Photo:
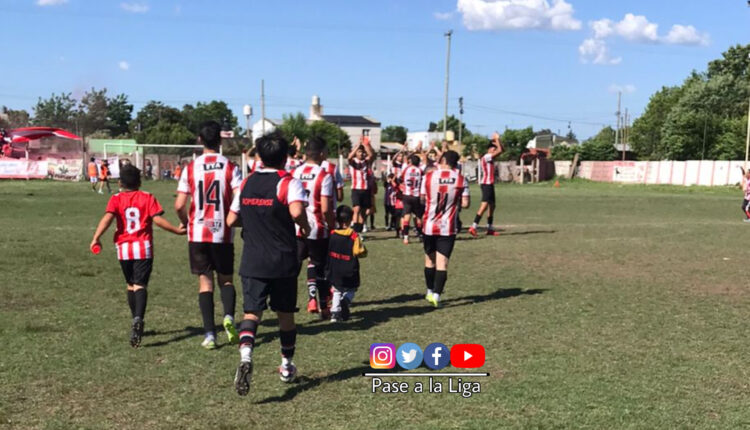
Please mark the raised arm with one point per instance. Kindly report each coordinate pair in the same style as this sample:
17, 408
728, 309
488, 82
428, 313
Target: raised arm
499, 145
370, 154
353, 152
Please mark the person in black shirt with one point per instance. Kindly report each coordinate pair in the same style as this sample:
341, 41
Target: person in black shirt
268, 206
345, 248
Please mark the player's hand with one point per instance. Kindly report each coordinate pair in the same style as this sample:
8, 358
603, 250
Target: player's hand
181, 230
304, 231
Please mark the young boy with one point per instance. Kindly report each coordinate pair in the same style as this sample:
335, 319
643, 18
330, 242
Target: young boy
344, 251
134, 211
104, 177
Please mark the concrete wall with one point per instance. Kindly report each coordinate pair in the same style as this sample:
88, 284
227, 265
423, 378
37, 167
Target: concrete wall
692, 172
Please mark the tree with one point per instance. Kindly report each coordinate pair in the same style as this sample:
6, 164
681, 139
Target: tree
514, 141
167, 133
394, 133
119, 115
475, 145
600, 147
646, 134
565, 153
16, 118
333, 135
452, 125
152, 114
92, 112
56, 111
213, 111
295, 125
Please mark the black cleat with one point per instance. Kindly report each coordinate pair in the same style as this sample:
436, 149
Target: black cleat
242, 378
136, 333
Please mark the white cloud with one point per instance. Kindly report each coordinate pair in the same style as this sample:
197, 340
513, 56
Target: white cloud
50, 2
596, 51
123, 65
443, 16
517, 15
627, 89
686, 35
135, 7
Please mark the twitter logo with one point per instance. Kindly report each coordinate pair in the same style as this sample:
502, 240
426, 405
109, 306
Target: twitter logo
409, 356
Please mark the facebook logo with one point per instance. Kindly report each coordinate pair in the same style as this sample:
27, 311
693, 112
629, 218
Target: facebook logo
436, 356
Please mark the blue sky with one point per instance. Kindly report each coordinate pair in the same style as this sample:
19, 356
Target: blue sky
515, 62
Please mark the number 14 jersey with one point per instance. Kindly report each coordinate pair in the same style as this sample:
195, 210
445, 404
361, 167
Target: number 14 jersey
134, 212
209, 181
442, 191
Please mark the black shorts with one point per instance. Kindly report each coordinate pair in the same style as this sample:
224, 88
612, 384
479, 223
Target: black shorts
206, 257
412, 205
361, 198
316, 250
488, 193
137, 272
282, 291
441, 244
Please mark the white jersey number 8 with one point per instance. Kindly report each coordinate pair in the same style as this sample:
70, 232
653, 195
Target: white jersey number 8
132, 220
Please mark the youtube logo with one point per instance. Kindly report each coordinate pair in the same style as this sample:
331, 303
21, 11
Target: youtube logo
467, 356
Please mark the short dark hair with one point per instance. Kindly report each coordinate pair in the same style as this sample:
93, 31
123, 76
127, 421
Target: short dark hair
414, 160
315, 146
210, 134
292, 151
451, 158
492, 145
130, 177
93, 159
344, 214
273, 148
253, 151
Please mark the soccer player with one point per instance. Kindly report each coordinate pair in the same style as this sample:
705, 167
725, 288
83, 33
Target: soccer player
335, 173
746, 192
267, 207
487, 185
253, 161
291, 161
104, 177
443, 190
210, 182
134, 211
372, 186
93, 172
411, 178
318, 186
398, 163
360, 159
344, 251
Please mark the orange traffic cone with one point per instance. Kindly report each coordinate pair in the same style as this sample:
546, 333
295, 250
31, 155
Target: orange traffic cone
557, 184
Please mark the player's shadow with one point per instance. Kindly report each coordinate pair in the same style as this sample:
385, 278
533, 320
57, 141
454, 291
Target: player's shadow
523, 233
181, 334
304, 383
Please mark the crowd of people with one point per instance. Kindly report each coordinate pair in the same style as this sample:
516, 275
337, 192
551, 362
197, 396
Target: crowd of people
289, 212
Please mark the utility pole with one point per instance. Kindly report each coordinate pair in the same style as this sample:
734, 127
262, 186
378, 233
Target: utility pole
262, 108
447, 75
617, 130
747, 144
460, 119
626, 134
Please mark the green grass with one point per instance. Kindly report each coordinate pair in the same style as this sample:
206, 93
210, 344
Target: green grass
600, 306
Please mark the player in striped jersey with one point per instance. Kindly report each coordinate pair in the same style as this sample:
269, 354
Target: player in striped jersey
360, 159
134, 211
443, 190
320, 196
210, 182
253, 161
487, 185
291, 160
411, 180
338, 180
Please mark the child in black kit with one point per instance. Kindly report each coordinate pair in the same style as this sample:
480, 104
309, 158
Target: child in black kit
344, 251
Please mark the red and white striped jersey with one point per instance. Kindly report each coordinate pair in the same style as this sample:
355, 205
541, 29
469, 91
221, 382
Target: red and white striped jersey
134, 212
442, 191
333, 170
209, 180
412, 180
397, 168
359, 170
291, 164
318, 183
253, 165
486, 170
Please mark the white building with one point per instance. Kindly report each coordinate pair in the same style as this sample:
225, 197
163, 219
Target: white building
549, 141
356, 126
413, 138
269, 126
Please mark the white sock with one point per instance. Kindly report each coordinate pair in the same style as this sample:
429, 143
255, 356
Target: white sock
246, 354
436, 296
474, 225
229, 316
429, 292
336, 304
285, 361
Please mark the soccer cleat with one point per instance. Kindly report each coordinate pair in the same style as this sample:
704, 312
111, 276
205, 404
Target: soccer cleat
288, 373
434, 301
473, 231
428, 297
312, 306
209, 343
231, 330
136, 333
325, 314
406, 240
364, 228
335, 317
746, 220
492, 233
242, 378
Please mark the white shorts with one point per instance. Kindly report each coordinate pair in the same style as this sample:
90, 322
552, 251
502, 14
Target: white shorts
93, 180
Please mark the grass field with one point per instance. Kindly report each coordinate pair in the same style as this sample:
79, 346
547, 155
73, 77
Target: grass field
600, 306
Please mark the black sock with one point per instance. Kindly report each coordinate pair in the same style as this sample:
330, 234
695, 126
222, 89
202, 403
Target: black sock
323, 292
406, 230
141, 297
206, 303
418, 228
477, 218
372, 220
489, 220
131, 303
357, 227
228, 299
429, 278
386, 219
248, 328
441, 276
288, 339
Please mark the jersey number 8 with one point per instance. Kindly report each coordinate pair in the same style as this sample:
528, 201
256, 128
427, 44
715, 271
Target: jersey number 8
132, 220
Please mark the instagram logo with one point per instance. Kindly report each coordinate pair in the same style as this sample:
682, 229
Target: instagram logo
382, 356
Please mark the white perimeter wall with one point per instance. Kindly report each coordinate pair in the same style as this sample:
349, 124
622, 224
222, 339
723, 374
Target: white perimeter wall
692, 172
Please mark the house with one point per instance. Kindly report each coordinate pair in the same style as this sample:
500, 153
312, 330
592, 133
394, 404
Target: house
549, 140
413, 138
269, 126
356, 126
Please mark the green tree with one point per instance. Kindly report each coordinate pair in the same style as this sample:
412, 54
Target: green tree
514, 141
92, 112
151, 114
600, 147
646, 133
295, 125
475, 145
452, 125
214, 110
56, 111
394, 133
167, 133
119, 115
564, 153
16, 118
333, 135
